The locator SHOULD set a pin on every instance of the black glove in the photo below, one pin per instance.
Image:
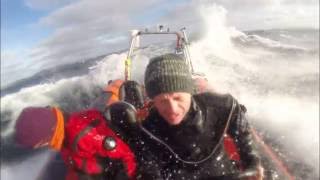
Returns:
(131, 92)
(121, 116)
(114, 169)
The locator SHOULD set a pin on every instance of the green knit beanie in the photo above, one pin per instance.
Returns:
(167, 73)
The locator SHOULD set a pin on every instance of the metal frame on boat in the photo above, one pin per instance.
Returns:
(182, 47)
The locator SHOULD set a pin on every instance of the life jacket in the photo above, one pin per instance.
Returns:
(88, 138)
(113, 89)
(201, 84)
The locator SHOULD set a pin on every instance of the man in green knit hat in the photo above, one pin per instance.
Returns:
(184, 135)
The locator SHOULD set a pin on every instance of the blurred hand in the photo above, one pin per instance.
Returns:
(131, 92)
(123, 117)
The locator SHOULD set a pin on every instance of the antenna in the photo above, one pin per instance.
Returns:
(186, 48)
(160, 28)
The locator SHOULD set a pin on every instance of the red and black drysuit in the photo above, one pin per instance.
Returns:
(92, 150)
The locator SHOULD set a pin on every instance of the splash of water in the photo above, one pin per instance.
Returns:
(280, 89)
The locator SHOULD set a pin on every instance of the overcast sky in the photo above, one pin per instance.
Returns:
(43, 33)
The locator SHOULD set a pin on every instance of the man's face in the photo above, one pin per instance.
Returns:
(173, 106)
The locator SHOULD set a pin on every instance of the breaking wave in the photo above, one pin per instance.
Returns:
(257, 41)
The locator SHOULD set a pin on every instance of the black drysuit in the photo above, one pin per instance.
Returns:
(194, 148)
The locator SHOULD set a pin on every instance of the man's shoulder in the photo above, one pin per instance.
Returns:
(214, 99)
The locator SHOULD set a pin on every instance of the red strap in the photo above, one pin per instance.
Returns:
(83, 132)
(231, 148)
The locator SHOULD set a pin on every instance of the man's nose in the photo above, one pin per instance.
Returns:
(172, 106)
